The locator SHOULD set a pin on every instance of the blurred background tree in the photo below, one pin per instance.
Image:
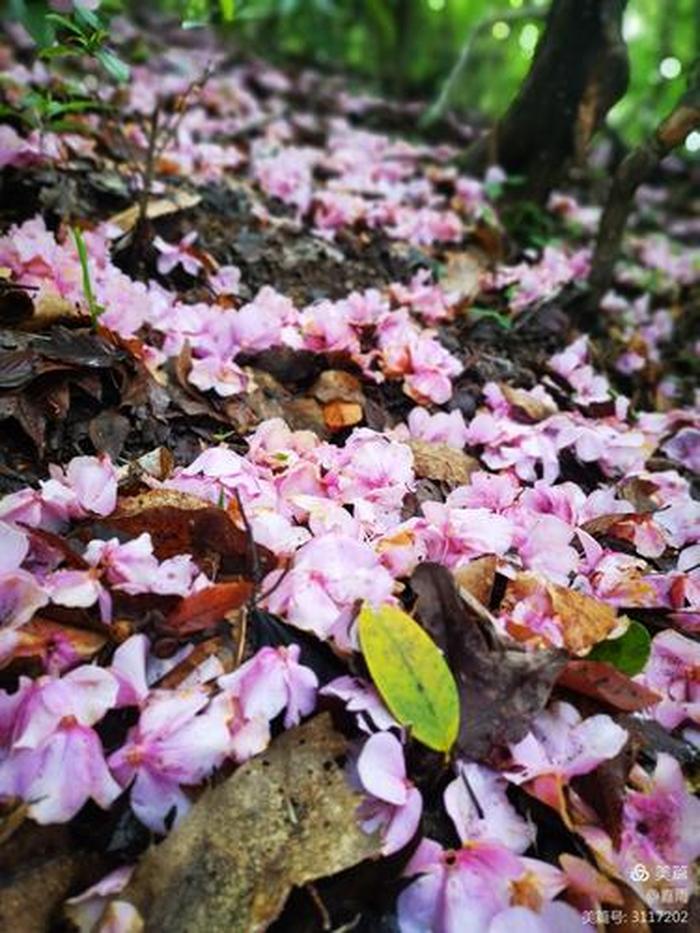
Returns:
(409, 47)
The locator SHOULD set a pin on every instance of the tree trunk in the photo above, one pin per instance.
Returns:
(579, 71)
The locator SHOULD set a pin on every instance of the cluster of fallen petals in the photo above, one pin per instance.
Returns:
(336, 518)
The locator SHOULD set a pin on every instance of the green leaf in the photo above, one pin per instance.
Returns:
(628, 652)
(227, 9)
(113, 65)
(479, 314)
(94, 308)
(411, 674)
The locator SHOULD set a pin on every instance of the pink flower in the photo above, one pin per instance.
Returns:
(672, 671)
(457, 535)
(440, 428)
(363, 309)
(178, 254)
(39, 706)
(79, 589)
(325, 327)
(328, 576)
(226, 280)
(272, 681)
(430, 370)
(58, 777)
(493, 491)
(370, 468)
(54, 759)
(543, 543)
(20, 594)
(275, 445)
(398, 805)
(287, 175)
(561, 743)
(133, 568)
(362, 699)
(268, 320)
(276, 532)
(85, 910)
(178, 740)
(663, 820)
(684, 447)
(477, 804)
(129, 669)
(424, 297)
(93, 482)
(473, 882)
(223, 376)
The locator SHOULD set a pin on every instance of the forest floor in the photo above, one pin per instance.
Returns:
(331, 396)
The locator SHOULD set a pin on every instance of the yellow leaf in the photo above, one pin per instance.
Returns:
(411, 675)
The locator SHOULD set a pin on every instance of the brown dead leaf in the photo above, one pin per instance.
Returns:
(304, 414)
(157, 463)
(442, 463)
(13, 812)
(335, 385)
(525, 407)
(584, 621)
(206, 607)
(603, 682)
(501, 689)
(477, 577)
(285, 818)
(631, 527)
(216, 647)
(339, 415)
(462, 277)
(183, 524)
(639, 492)
(160, 207)
(50, 308)
(40, 638)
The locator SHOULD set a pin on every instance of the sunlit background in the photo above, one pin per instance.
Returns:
(408, 47)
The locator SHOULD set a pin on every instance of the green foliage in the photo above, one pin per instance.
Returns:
(629, 652)
(81, 33)
(94, 308)
(411, 46)
(411, 675)
(481, 314)
(40, 109)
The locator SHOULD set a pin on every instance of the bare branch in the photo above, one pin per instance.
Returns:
(632, 171)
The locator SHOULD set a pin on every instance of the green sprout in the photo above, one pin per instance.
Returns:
(94, 308)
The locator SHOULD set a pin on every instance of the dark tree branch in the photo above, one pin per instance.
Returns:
(632, 171)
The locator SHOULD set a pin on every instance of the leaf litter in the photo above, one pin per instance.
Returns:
(320, 389)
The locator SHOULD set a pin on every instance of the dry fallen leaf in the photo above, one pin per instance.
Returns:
(584, 621)
(501, 689)
(206, 607)
(285, 818)
(477, 577)
(603, 682)
(39, 638)
(442, 462)
(462, 277)
(160, 207)
(525, 407)
(335, 385)
(339, 415)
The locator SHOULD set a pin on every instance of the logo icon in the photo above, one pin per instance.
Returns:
(640, 873)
